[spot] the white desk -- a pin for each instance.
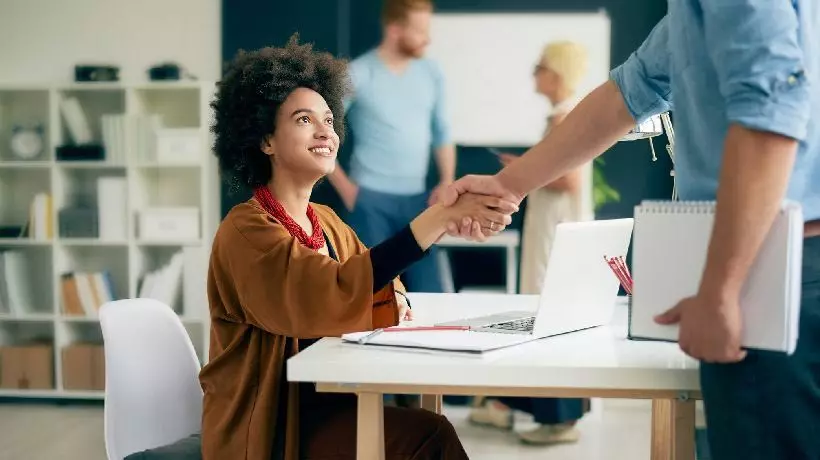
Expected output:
(509, 240)
(597, 363)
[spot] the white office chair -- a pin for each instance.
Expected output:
(152, 392)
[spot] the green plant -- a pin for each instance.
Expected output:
(602, 192)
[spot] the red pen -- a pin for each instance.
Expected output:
(376, 332)
(613, 265)
(619, 263)
(426, 328)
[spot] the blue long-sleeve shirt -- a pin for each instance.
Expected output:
(755, 63)
(397, 121)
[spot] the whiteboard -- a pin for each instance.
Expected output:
(488, 59)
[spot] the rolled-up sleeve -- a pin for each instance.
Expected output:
(644, 78)
(755, 48)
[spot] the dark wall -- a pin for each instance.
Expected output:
(350, 27)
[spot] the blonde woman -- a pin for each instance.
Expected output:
(559, 71)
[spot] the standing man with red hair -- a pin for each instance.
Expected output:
(398, 120)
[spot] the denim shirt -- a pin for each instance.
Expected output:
(755, 63)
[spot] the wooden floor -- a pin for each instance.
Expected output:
(619, 430)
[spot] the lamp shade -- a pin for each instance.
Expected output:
(649, 128)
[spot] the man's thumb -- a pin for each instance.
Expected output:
(671, 316)
(448, 195)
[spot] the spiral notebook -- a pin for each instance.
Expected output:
(670, 244)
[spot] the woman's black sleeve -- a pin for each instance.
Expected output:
(392, 256)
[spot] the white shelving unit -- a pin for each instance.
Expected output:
(150, 183)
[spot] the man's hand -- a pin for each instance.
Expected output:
(480, 185)
(437, 191)
(710, 328)
(349, 195)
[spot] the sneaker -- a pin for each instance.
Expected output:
(492, 413)
(550, 434)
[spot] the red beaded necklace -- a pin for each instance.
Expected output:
(275, 209)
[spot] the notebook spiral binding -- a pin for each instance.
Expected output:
(675, 207)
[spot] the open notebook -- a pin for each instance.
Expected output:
(459, 342)
(670, 246)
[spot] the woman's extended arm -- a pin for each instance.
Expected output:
(288, 289)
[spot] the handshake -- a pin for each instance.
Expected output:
(477, 206)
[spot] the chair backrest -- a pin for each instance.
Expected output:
(152, 391)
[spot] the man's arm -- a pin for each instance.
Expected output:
(754, 46)
(345, 187)
(446, 161)
(571, 181)
(753, 181)
(638, 89)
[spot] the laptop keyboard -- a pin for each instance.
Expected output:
(523, 325)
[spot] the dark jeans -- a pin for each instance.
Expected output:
(377, 216)
(548, 411)
(768, 405)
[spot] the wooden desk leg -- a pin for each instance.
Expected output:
(431, 403)
(673, 429)
(370, 427)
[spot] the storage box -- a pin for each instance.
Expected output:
(27, 367)
(179, 145)
(169, 224)
(83, 367)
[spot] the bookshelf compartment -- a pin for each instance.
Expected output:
(175, 275)
(92, 105)
(93, 203)
(27, 355)
(76, 332)
(160, 275)
(176, 107)
(21, 191)
(159, 187)
(89, 276)
(25, 281)
(29, 110)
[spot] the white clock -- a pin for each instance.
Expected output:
(27, 142)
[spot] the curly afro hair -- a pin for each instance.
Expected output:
(249, 96)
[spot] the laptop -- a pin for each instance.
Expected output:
(579, 289)
(579, 292)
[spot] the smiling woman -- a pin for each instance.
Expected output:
(285, 272)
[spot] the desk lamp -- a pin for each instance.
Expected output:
(654, 127)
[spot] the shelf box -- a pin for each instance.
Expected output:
(168, 223)
(83, 367)
(179, 146)
(27, 366)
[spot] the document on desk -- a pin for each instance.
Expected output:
(670, 245)
(444, 340)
